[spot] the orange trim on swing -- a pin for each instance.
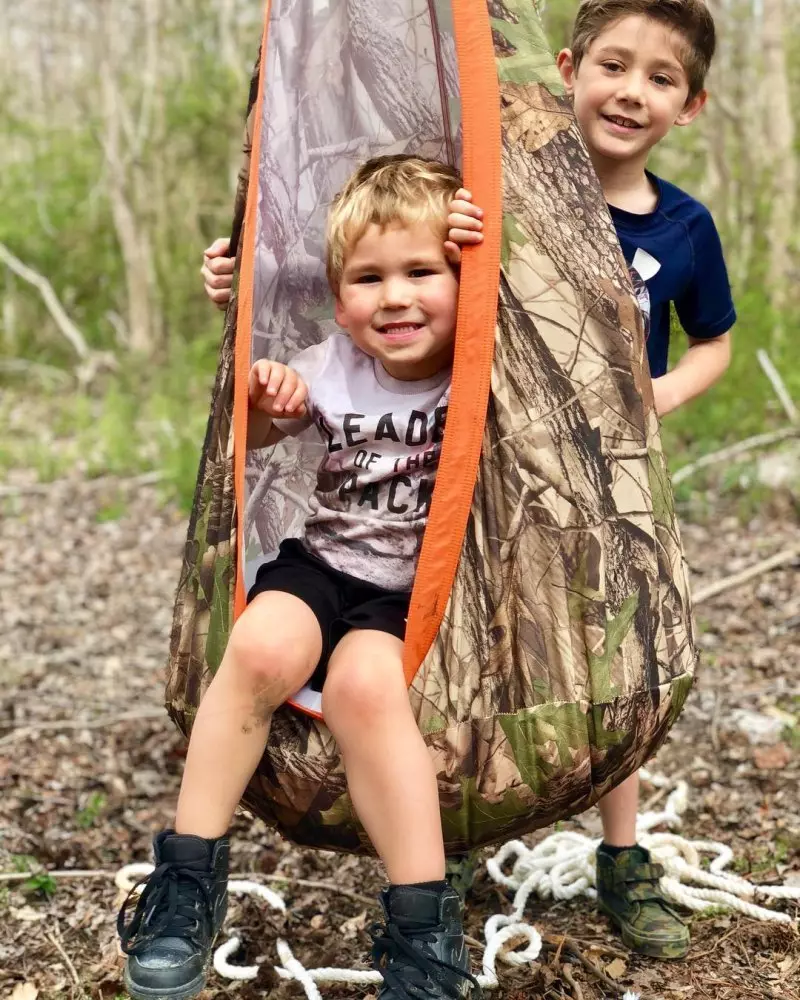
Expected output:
(244, 329)
(477, 319)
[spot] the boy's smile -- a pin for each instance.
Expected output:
(630, 88)
(398, 299)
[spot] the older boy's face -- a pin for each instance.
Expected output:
(398, 299)
(630, 88)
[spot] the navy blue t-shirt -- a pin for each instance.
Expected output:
(675, 255)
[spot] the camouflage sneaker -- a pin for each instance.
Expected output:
(629, 894)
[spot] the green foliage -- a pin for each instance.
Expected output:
(144, 418)
(40, 883)
(91, 812)
(743, 402)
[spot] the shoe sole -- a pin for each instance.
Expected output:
(178, 993)
(652, 949)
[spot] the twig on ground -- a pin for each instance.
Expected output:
(311, 884)
(571, 945)
(54, 941)
(552, 941)
(96, 873)
(145, 479)
(566, 972)
(778, 385)
(733, 450)
(737, 579)
(715, 717)
(20, 729)
(82, 873)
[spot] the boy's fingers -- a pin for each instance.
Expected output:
(457, 220)
(465, 209)
(277, 374)
(218, 248)
(221, 266)
(465, 237)
(463, 194)
(219, 296)
(296, 405)
(212, 281)
(452, 252)
(287, 389)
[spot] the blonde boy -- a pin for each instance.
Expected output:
(336, 600)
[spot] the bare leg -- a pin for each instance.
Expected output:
(273, 650)
(390, 774)
(618, 811)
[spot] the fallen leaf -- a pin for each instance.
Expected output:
(616, 969)
(24, 991)
(772, 758)
(27, 914)
(351, 927)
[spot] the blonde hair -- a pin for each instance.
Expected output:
(386, 190)
(691, 19)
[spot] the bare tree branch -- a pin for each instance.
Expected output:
(737, 579)
(733, 450)
(51, 300)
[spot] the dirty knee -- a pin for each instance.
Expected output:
(271, 666)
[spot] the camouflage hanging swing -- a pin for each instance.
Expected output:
(549, 645)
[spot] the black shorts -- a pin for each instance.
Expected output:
(340, 602)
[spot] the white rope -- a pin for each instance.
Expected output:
(560, 867)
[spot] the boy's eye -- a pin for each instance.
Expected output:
(612, 66)
(421, 272)
(367, 279)
(662, 81)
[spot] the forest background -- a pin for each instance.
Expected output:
(122, 123)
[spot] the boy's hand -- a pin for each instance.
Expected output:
(277, 390)
(664, 396)
(465, 225)
(217, 272)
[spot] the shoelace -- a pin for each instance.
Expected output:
(164, 908)
(411, 969)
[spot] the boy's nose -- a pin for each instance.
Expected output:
(395, 294)
(631, 88)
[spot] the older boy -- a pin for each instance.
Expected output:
(635, 69)
(336, 600)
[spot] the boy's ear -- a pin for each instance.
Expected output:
(692, 108)
(566, 67)
(338, 313)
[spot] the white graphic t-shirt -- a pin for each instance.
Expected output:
(383, 438)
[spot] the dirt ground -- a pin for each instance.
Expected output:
(89, 769)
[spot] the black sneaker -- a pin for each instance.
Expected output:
(421, 952)
(177, 917)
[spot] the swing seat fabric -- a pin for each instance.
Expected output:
(549, 647)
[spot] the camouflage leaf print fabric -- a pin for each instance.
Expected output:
(566, 649)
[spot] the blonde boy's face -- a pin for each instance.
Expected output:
(398, 299)
(630, 88)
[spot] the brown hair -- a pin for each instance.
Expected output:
(386, 190)
(690, 18)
